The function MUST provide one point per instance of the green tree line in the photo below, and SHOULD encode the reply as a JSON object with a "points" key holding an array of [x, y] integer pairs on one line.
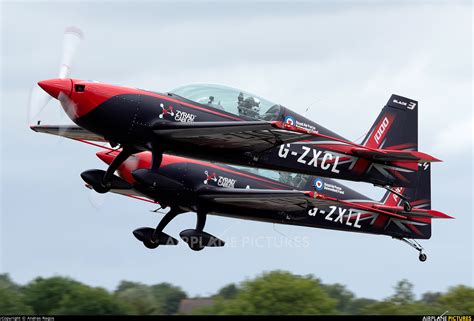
{"points": [[276, 292]]}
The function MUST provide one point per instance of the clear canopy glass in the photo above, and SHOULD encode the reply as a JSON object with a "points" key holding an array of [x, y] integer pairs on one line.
{"points": [[235, 101], [297, 181]]}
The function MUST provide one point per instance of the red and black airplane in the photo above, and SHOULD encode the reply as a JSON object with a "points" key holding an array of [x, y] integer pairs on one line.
{"points": [[228, 125], [189, 185]]}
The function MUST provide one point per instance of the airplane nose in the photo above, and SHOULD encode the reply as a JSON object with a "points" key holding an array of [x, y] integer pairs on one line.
{"points": [[106, 156], [55, 86]]}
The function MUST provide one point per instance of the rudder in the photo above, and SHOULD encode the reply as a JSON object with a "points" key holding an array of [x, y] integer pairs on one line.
{"points": [[419, 195], [396, 127]]}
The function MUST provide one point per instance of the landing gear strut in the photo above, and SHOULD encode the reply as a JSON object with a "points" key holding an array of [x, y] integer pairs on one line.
{"points": [[152, 238], [406, 206], [196, 238], [406, 203], [102, 183], [414, 244], [157, 156]]}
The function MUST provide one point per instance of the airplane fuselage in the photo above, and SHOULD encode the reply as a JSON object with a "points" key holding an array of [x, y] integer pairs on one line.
{"points": [[128, 118], [195, 177]]}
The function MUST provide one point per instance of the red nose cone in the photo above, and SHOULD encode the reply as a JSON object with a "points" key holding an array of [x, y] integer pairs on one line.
{"points": [[56, 86], [106, 156]]}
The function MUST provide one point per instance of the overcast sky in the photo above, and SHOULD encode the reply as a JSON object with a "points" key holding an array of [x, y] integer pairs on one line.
{"points": [[344, 60]]}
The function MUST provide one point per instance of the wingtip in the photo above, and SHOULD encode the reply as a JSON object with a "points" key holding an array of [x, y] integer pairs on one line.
{"points": [[438, 214]]}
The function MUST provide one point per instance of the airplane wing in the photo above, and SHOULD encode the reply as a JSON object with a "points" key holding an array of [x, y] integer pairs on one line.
{"points": [[68, 131], [252, 136], [287, 201], [129, 192], [279, 200]]}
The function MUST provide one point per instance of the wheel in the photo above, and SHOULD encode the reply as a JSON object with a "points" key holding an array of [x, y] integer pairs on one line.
{"points": [[101, 188], [422, 257], [407, 206], [196, 247], [150, 244]]}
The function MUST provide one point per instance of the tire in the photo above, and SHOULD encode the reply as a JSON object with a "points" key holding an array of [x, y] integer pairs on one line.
{"points": [[422, 257], [150, 245], [101, 188], [196, 247]]}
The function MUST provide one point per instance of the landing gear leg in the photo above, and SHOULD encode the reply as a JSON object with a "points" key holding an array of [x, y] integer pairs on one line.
{"points": [[195, 243], [164, 221], [104, 185], [414, 244], [157, 156], [201, 220], [406, 202], [407, 206], [196, 238], [152, 238]]}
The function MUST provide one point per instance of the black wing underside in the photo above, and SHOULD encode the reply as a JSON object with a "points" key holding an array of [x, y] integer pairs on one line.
{"points": [[254, 136], [258, 199]]}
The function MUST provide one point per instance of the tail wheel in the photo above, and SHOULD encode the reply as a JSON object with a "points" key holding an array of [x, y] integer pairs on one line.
{"points": [[422, 257]]}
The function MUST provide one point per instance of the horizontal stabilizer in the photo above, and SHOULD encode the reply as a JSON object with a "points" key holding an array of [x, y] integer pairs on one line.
{"points": [[415, 212], [363, 151], [384, 155]]}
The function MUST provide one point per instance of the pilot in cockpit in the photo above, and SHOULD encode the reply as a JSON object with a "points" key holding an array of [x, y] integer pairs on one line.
{"points": [[249, 106], [212, 104]]}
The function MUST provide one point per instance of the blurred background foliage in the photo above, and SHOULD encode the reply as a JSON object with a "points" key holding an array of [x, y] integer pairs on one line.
{"points": [[276, 292]]}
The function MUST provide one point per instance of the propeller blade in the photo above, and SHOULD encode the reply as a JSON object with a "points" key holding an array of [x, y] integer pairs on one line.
{"points": [[68, 105], [38, 97], [37, 102], [71, 41], [95, 199]]}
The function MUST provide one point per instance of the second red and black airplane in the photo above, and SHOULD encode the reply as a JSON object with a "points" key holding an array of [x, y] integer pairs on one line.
{"points": [[189, 185]]}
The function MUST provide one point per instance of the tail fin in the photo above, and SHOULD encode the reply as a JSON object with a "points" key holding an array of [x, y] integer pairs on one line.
{"points": [[419, 195], [396, 127]]}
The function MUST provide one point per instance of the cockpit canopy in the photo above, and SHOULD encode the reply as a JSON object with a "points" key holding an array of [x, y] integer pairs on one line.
{"points": [[235, 101]]}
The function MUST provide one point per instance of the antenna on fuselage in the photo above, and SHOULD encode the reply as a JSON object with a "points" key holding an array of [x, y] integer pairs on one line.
{"points": [[311, 104]]}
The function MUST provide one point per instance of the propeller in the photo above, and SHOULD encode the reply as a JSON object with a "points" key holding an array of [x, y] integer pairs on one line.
{"points": [[38, 97]]}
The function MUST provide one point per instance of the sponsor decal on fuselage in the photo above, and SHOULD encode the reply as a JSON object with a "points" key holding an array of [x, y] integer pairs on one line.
{"points": [[219, 180], [319, 184], [176, 114], [311, 157], [290, 120]]}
